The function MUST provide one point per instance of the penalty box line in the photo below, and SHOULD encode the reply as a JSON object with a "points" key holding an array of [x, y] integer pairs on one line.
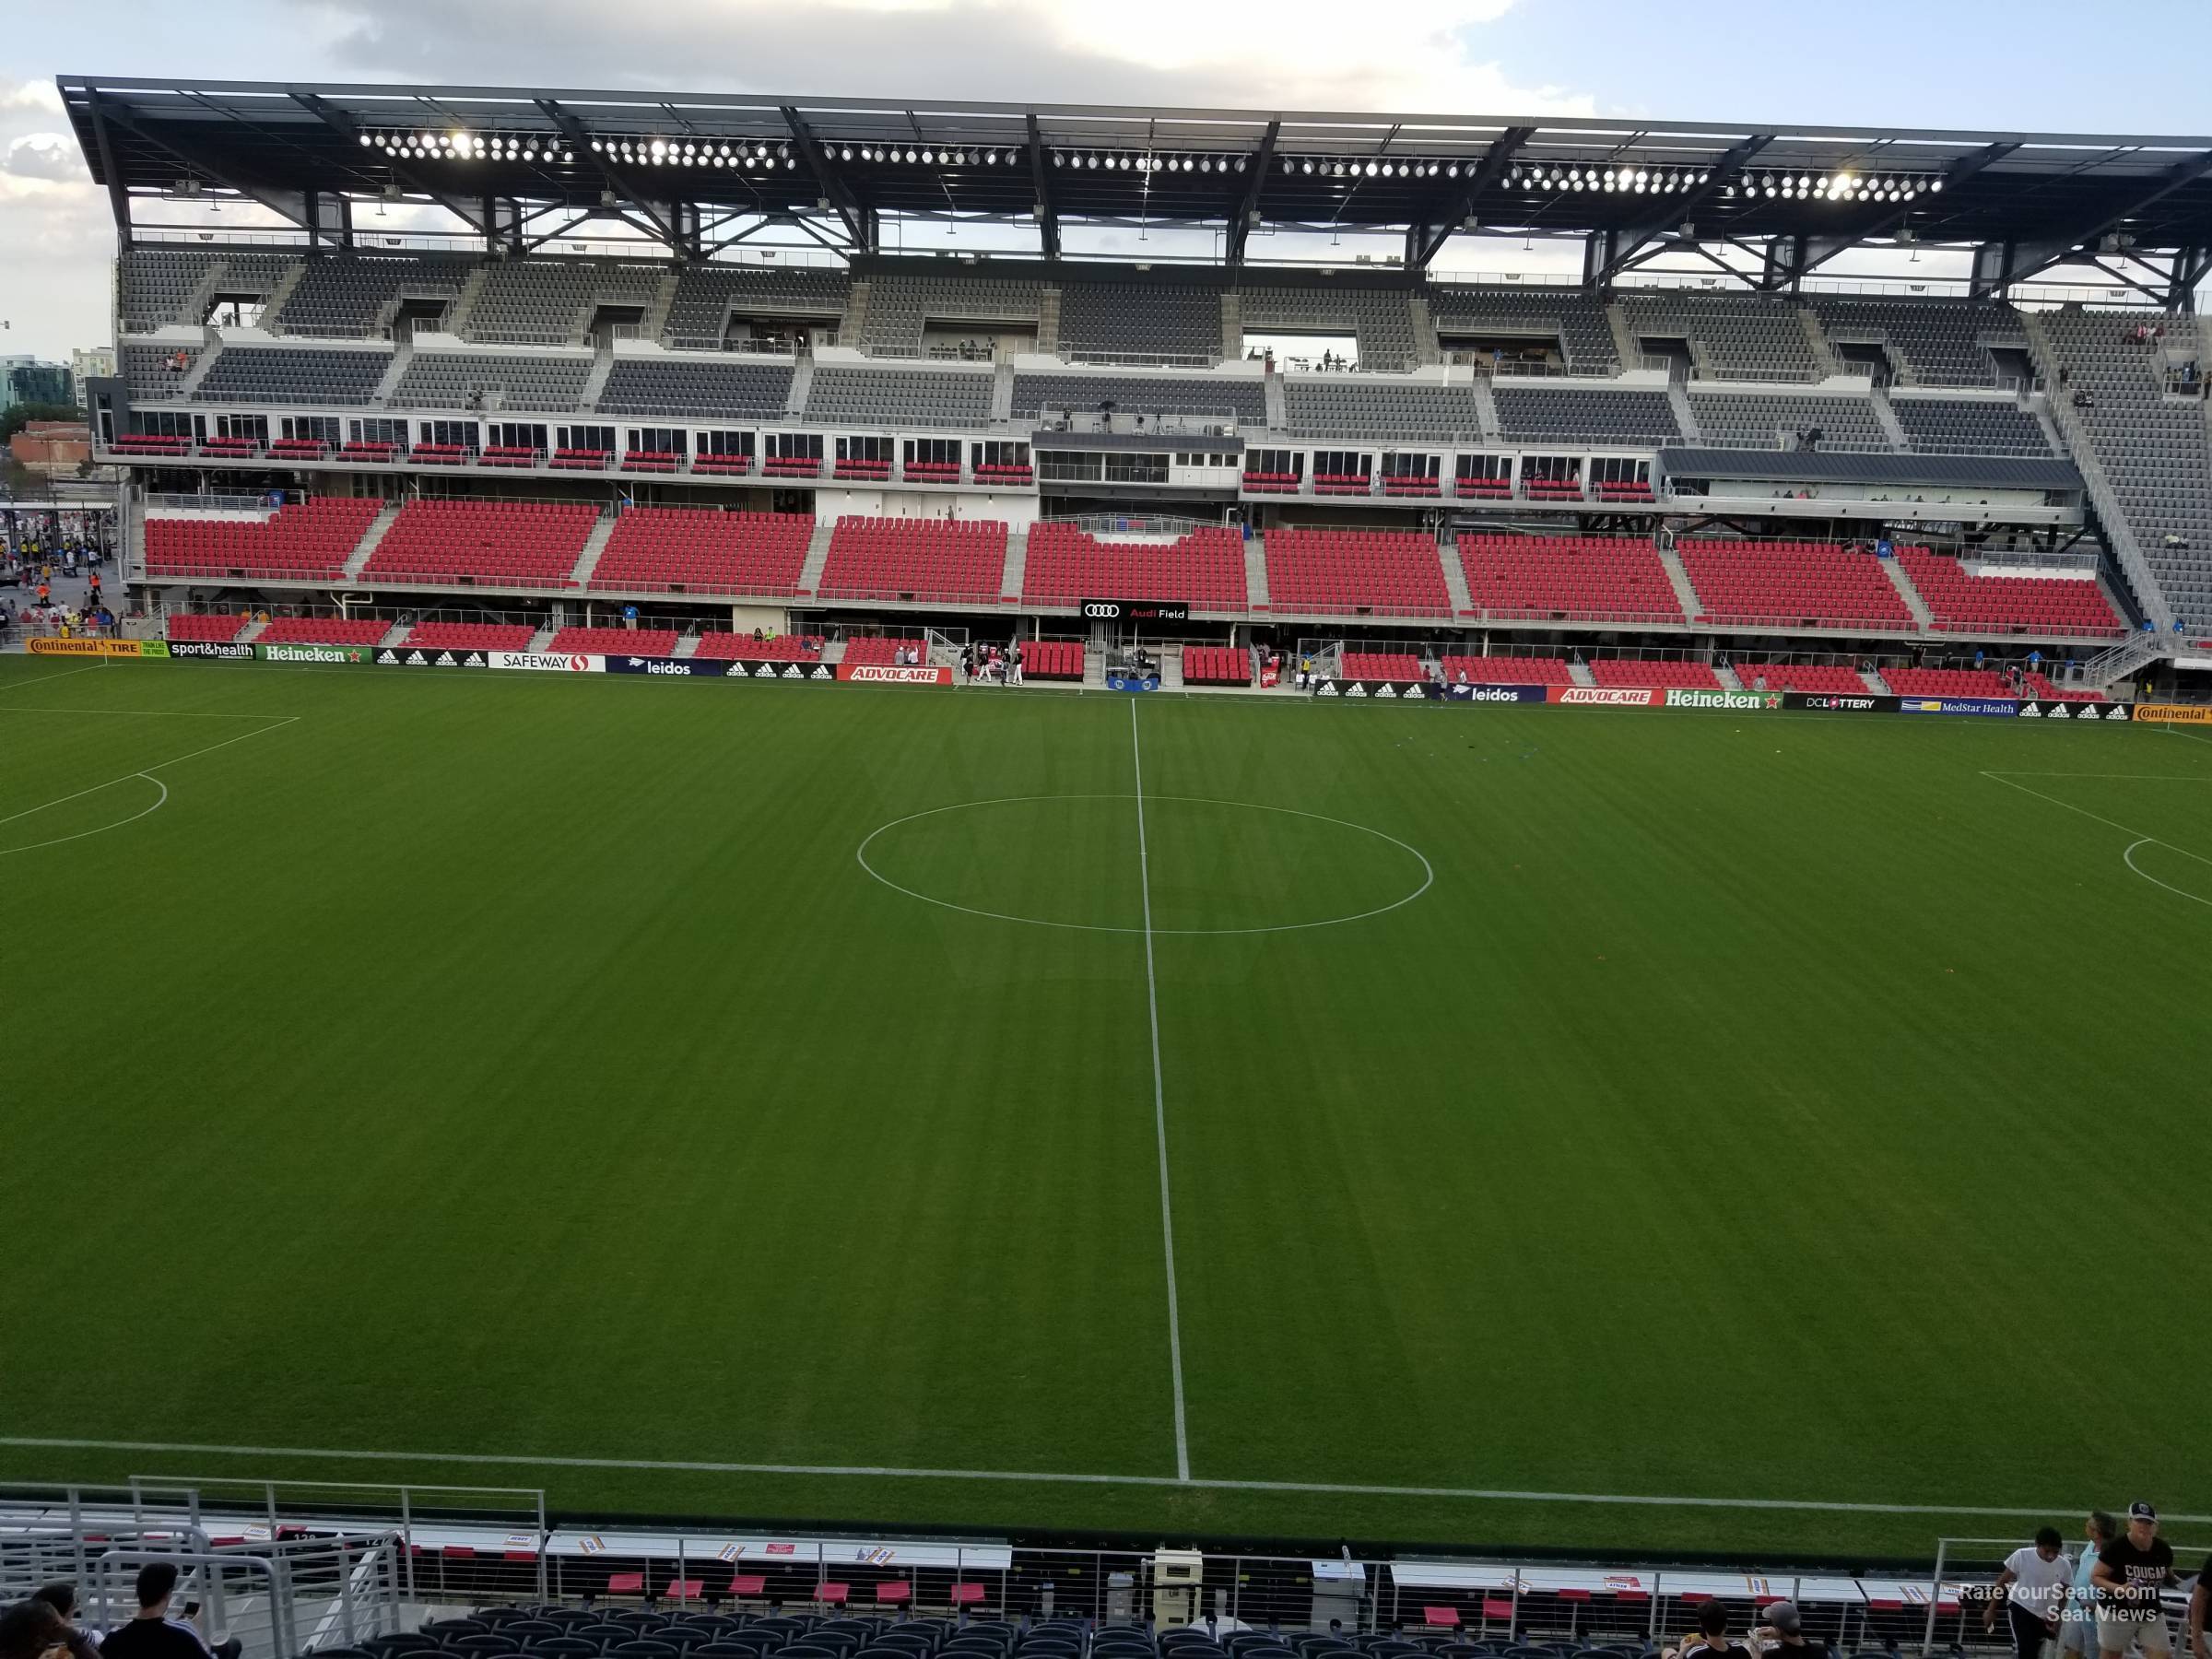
{"points": [[1326, 1489]]}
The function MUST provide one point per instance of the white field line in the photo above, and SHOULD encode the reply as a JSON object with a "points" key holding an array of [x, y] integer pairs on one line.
{"points": [[131, 713], [1159, 1107], [2127, 854], [42, 678], [147, 772], [1038, 1478]]}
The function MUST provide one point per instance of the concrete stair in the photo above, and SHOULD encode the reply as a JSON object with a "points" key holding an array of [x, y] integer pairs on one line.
{"points": [[1727, 676], [370, 538], [395, 633], [1232, 325], [1692, 606], [1002, 392], [464, 307], [603, 365], [1885, 414], [853, 329], [1677, 398], [688, 645], [802, 384], [1018, 561], [400, 359], [1486, 407], [1579, 672], [1455, 580], [818, 554], [253, 631], [654, 322], [1256, 571], [1875, 682], [1624, 341], [1048, 319], [593, 546], [1171, 669], [273, 307], [190, 385], [1922, 617], [1425, 343], [1823, 353], [1278, 407], [541, 638]]}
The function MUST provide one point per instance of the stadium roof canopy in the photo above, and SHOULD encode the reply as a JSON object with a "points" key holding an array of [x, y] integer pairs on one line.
{"points": [[693, 170]]}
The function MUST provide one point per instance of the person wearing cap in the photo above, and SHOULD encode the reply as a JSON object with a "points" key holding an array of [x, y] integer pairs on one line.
{"points": [[1783, 1633], [2077, 1625], [2131, 1570], [2034, 1586]]}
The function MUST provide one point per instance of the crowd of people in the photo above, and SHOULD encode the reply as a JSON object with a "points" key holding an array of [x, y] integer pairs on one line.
{"points": [[48, 1626], [990, 664], [32, 570]]}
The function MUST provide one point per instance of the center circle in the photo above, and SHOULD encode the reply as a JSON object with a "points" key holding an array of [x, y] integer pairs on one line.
{"points": [[1079, 862]]}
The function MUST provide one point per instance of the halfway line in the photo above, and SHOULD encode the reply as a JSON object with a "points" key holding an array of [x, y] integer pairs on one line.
{"points": [[1159, 1105]]}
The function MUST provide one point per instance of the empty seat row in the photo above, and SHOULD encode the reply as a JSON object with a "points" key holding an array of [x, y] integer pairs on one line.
{"points": [[1350, 571], [1204, 568], [885, 558], [301, 540], [683, 549]]}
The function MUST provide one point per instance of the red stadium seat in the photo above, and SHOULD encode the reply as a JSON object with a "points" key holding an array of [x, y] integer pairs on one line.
{"points": [[1584, 578], [303, 541], [876, 651], [690, 551], [2046, 607], [492, 544], [915, 558], [470, 636], [1382, 665], [1051, 659], [1344, 572], [215, 629], [743, 648], [326, 630], [614, 642], [1626, 671], [1946, 682], [1791, 584], [1827, 679], [1066, 564], [1508, 671], [1215, 665]]}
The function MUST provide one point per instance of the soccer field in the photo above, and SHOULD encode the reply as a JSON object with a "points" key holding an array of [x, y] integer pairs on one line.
{"points": [[1447, 1123]]}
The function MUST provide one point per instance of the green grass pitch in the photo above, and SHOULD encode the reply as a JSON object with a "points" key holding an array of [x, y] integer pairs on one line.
{"points": [[1752, 1107]]}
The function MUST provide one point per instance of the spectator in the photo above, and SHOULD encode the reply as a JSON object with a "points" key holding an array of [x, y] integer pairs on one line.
{"points": [[2033, 1583], [62, 1598], [2131, 1570], [2200, 1604], [153, 1634], [2078, 1626], [1784, 1633], [28, 1630], [1710, 1639]]}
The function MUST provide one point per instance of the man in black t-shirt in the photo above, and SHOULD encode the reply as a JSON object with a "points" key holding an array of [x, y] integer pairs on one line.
{"points": [[1784, 1637], [2130, 1572], [153, 1634]]}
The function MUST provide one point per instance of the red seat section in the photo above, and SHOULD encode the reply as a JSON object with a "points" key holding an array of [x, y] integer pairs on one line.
{"points": [[1381, 665], [1626, 671], [743, 648], [1204, 568], [687, 550], [2046, 607], [882, 650], [1946, 682], [1509, 671], [1829, 679], [916, 557], [217, 630], [1215, 665], [499, 543], [1395, 573], [304, 540], [1791, 584], [616, 641], [2043, 689], [326, 630], [1051, 659], [470, 636], [1596, 577]]}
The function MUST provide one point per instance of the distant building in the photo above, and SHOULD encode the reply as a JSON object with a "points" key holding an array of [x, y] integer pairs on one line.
{"points": [[29, 380], [91, 363], [52, 446]]}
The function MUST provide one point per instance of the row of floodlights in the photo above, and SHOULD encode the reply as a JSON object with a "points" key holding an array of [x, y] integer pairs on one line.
{"points": [[463, 146], [1830, 187], [1839, 187]]}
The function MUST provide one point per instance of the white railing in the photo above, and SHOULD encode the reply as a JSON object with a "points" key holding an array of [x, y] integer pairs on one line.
{"points": [[550, 337], [1141, 360], [1167, 423]]}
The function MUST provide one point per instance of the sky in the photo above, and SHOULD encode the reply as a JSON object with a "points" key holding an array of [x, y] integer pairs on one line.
{"points": [[2129, 66]]}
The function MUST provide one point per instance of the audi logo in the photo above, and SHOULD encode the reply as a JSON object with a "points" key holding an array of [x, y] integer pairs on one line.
{"points": [[1108, 611]]}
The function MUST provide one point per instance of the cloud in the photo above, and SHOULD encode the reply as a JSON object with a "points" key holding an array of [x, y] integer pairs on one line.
{"points": [[42, 156], [1395, 55], [39, 95]]}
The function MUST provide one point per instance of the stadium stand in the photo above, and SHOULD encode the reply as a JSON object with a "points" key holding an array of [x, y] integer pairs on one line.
{"points": [[1400, 667], [1749, 419], [883, 558], [325, 630], [1509, 670], [1051, 659], [900, 397], [514, 544], [685, 549], [551, 301], [1630, 671], [469, 636], [1946, 682], [1930, 342], [1729, 337], [1535, 578], [1539, 414], [2048, 607], [309, 541], [1832, 680], [614, 642], [2151, 444], [743, 648], [348, 296], [1375, 409], [1388, 572], [902, 304], [461, 380], [292, 374], [1238, 396], [1139, 320], [1215, 665], [876, 651], [708, 296], [1204, 568], [1379, 320], [1791, 584], [1568, 321], [154, 283], [154, 372], [1960, 426], [215, 629], [2041, 686], [678, 386]]}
